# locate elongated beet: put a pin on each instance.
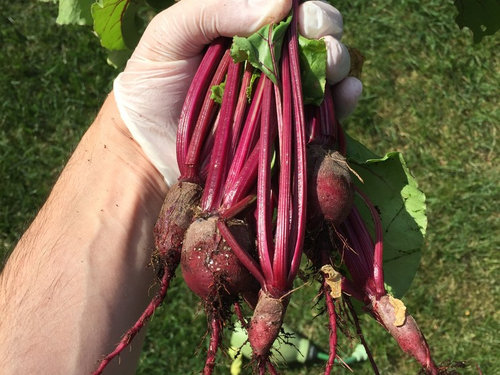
(266, 323)
(330, 189)
(391, 313)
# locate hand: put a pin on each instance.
(151, 90)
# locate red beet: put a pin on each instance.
(330, 189)
(391, 313)
(266, 323)
(208, 264)
(175, 217)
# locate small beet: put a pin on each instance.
(391, 313)
(175, 217)
(330, 189)
(266, 323)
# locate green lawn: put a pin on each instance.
(429, 92)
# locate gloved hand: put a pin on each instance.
(150, 91)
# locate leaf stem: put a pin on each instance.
(264, 207)
(300, 174)
(219, 161)
(378, 257)
(194, 96)
(205, 119)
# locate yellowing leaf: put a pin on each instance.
(333, 279)
(399, 311)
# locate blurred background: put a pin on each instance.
(429, 92)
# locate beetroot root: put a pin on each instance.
(175, 217)
(330, 190)
(391, 313)
(214, 273)
(266, 323)
(209, 266)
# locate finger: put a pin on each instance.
(317, 19)
(346, 95)
(182, 31)
(338, 60)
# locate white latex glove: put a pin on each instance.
(150, 91)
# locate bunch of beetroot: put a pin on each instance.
(264, 177)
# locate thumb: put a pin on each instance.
(182, 31)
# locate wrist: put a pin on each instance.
(114, 138)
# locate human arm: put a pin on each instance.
(78, 277)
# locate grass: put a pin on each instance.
(429, 92)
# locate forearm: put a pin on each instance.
(78, 277)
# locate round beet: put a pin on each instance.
(209, 266)
(330, 189)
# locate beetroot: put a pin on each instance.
(209, 266)
(266, 322)
(175, 217)
(391, 313)
(330, 189)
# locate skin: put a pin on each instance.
(79, 278)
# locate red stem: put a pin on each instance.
(205, 118)
(248, 137)
(236, 208)
(341, 138)
(284, 211)
(378, 256)
(219, 161)
(249, 263)
(194, 97)
(264, 207)
(300, 174)
(245, 179)
(240, 112)
(358, 255)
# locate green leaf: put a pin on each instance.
(481, 16)
(256, 49)
(394, 192)
(74, 12)
(253, 79)
(116, 23)
(312, 53)
(218, 92)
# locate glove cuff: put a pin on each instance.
(157, 142)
